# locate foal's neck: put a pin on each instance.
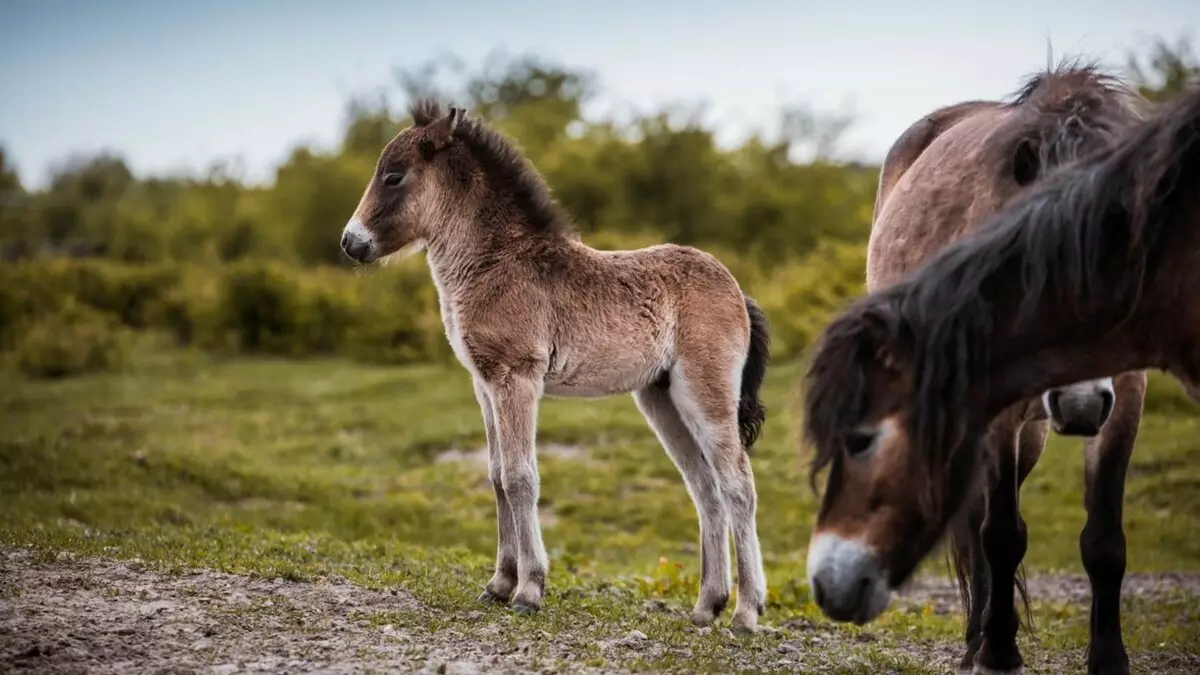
(477, 250)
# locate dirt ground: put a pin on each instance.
(87, 615)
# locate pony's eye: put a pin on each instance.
(858, 442)
(392, 179)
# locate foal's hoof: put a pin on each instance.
(524, 610)
(487, 598)
(744, 623)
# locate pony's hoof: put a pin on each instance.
(525, 610)
(487, 598)
(984, 670)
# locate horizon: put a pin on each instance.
(177, 89)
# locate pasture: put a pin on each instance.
(198, 510)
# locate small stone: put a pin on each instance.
(656, 605)
(202, 644)
(635, 636)
(474, 616)
(705, 630)
(725, 632)
(790, 648)
(389, 628)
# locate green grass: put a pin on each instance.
(301, 469)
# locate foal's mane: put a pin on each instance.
(1085, 236)
(506, 168)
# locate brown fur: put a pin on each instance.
(1086, 274)
(941, 181)
(531, 310)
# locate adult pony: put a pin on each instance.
(940, 181)
(1089, 273)
(531, 311)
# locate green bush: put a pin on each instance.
(800, 298)
(74, 340)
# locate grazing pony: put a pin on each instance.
(939, 182)
(1089, 273)
(531, 311)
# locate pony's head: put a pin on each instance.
(881, 413)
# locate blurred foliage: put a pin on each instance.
(224, 265)
(1165, 70)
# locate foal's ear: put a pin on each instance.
(441, 132)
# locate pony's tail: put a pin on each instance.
(751, 411)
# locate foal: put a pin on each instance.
(531, 311)
(1090, 273)
(940, 180)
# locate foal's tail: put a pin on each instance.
(751, 411)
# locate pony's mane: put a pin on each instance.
(1109, 212)
(505, 166)
(1071, 109)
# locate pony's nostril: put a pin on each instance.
(345, 240)
(1107, 400)
(819, 592)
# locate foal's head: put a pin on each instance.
(443, 171)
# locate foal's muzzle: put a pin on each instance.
(356, 241)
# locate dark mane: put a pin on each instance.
(507, 170)
(1070, 109)
(1085, 237)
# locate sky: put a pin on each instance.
(176, 86)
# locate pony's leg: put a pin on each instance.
(515, 402)
(1032, 439)
(704, 391)
(702, 484)
(1004, 539)
(969, 561)
(1102, 542)
(501, 586)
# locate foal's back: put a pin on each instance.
(619, 319)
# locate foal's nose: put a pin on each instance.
(355, 248)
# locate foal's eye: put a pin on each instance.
(858, 442)
(392, 179)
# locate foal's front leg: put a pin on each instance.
(501, 586)
(515, 401)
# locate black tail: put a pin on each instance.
(751, 411)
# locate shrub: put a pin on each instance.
(74, 340)
(800, 298)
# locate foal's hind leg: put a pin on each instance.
(702, 485)
(500, 588)
(704, 391)
(1102, 542)
(1004, 540)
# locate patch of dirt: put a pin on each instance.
(480, 455)
(942, 593)
(94, 615)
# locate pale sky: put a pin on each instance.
(174, 86)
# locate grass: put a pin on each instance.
(303, 469)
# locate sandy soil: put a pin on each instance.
(88, 615)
